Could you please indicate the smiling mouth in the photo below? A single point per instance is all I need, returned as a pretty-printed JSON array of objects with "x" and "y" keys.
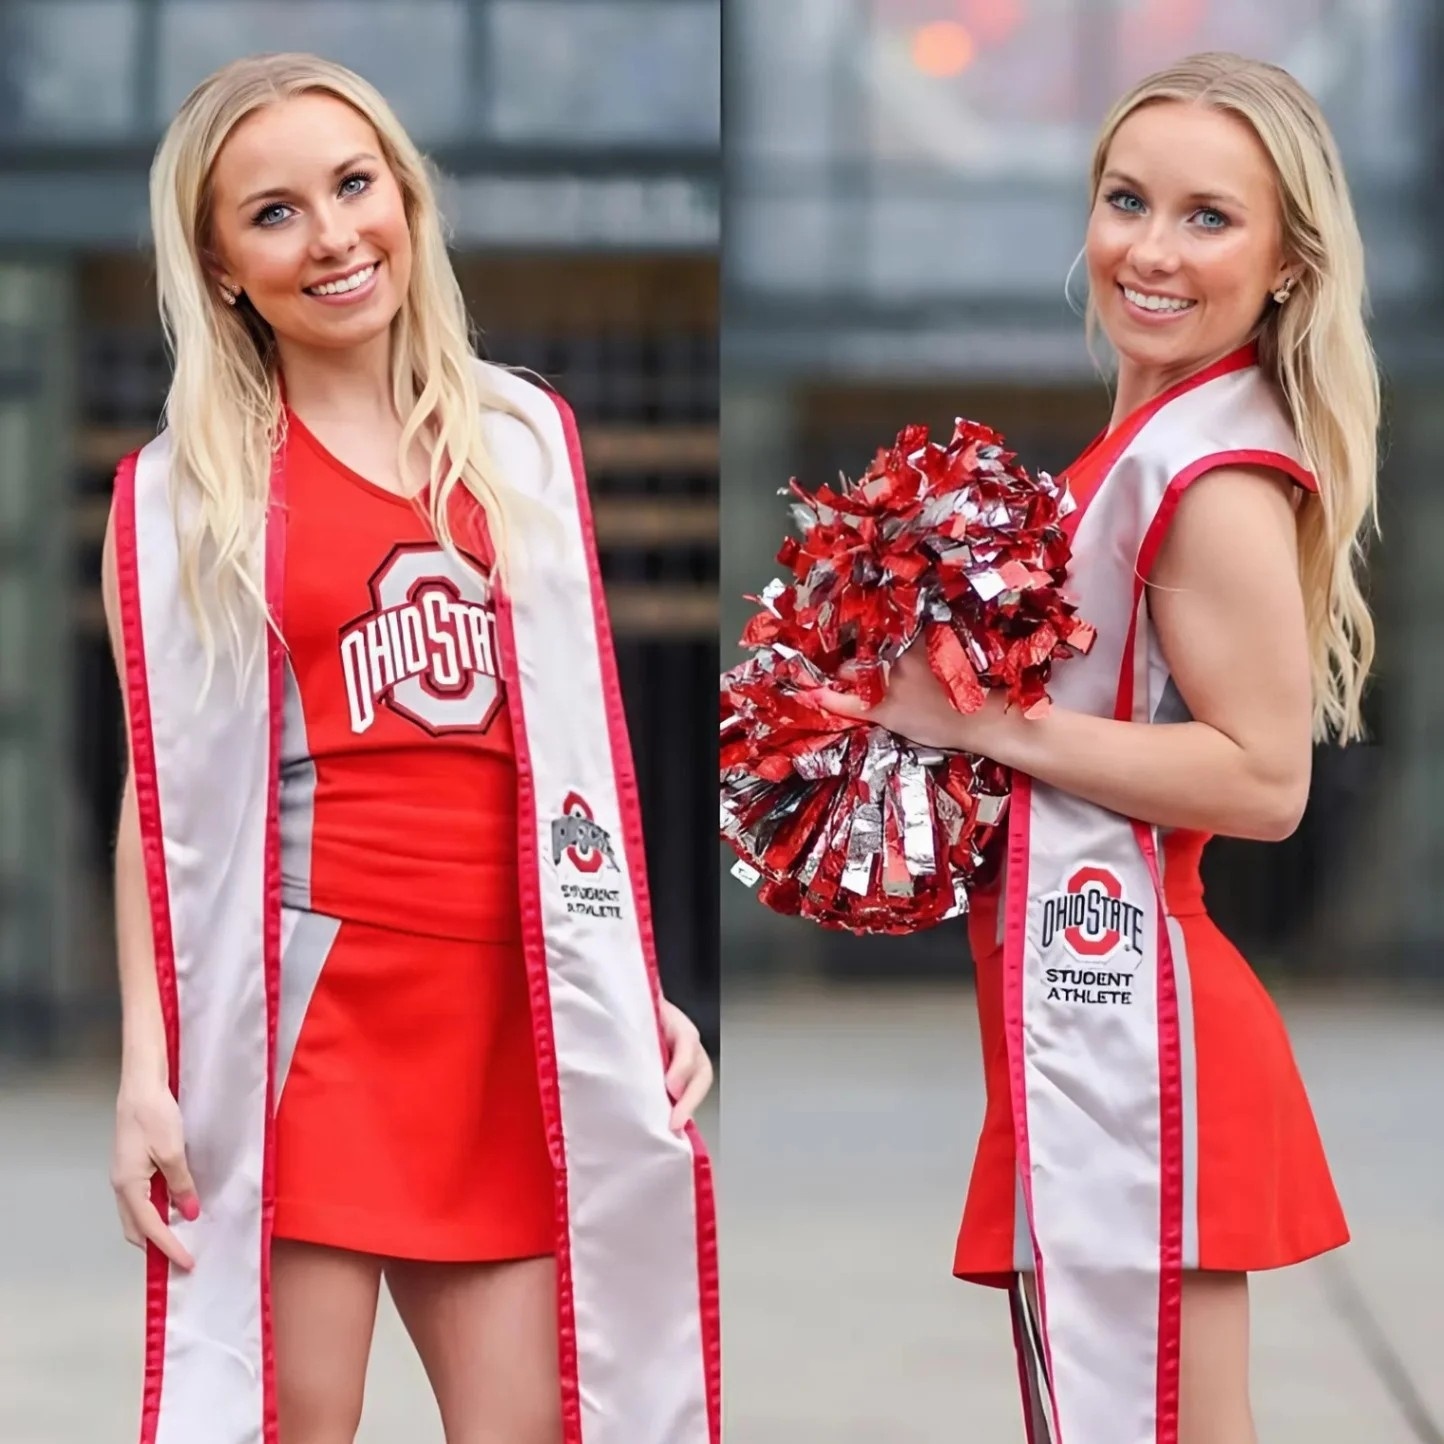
[
  {"x": 1158, "y": 305},
  {"x": 353, "y": 282}
]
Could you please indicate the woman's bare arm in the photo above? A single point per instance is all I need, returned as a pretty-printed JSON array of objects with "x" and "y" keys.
[{"x": 1229, "y": 614}]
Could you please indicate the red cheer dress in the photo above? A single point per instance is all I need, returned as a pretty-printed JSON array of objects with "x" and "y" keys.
[
  {"x": 409, "y": 1120},
  {"x": 1265, "y": 1195}
]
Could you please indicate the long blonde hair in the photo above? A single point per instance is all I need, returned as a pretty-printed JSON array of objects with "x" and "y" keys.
[
  {"x": 1316, "y": 347},
  {"x": 224, "y": 410}
]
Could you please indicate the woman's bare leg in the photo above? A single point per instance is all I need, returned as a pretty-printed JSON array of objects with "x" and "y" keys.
[
  {"x": 324, "y": 1312},
  {"x": 487, "y": 1336},
  {"x": 1213, "y": 1380}
]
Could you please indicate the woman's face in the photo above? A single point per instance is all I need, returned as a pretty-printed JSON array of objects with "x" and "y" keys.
[
  {"x": 1185, "y": 238},
  {"x": 308, "y": 221}
]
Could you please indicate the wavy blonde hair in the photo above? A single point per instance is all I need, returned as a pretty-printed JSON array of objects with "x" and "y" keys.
[
  {"x": 1316, "y": 347},
  {"x": 224, "y": 410}
]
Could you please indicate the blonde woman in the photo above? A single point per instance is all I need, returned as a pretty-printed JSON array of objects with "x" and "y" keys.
[
  {"x": 1147, "y": 1141},
  {"x": 390, "y": 1005}
]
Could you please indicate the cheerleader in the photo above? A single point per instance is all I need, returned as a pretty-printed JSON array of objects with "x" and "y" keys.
[
  {"x": 389, "y": 999},
  {"x": 1147, "y": 1141}
]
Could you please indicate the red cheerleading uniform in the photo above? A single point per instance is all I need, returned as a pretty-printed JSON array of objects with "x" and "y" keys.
[
  {"x": 409, "y": 1119},
  {"x": 1265, "y": 1194}
]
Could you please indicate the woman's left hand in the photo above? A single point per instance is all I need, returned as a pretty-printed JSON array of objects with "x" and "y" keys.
[
  {"x": 917, "y": 707},
  {"x": 689, "y": 1069}
]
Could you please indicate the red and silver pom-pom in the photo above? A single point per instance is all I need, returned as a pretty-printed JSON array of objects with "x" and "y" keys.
[{"x": 957, "y": 547}]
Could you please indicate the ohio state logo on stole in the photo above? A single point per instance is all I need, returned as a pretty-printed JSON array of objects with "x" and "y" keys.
[
  {"x": 427, "y": 648},
  {"x": 1097, "y": 925},
  {"x": 583, "y": 842}
]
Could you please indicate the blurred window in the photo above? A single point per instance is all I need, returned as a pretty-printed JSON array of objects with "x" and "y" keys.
[
  {"x": 988, "y": 85},
  {"x": 1009, "y": 85},
  {"x": 911, "y": 150},
  {"x": 629, "y": 213},
  {"x": 586, "y": 72},
  {"x": 788, "y": 68},
  {"x": 579, "y": 72},
  {"x": 67, "y": 68},
  {"x": 414, "y": 51}
]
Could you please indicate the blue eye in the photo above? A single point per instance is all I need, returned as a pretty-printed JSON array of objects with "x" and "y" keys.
[
  {"x": 1125, "y": 201},
  {"x": 1212, "y": 220},
  {"x": 267, "y": 215}
]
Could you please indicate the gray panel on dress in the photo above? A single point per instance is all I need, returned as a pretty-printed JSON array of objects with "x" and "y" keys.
[
  {"x": 297, "y": 799},
  {"x": 306, "y": 942}
]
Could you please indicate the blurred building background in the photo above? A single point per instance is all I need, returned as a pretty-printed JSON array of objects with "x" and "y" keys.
[
  {"x": 906, "y": 192},
  {"x": 579, "y": 142}
]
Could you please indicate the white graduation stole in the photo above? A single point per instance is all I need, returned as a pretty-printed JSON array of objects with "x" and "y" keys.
[
  {"x": 636, "y": 1231},
  {"x": 1096, "y": 985}
]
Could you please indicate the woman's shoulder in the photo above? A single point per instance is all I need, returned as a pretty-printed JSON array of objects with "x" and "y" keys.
[{"x": 1239, "y": 418}]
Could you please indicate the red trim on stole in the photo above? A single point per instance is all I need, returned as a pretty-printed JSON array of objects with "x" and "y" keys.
[
  {"x": 152, "y": 842},
  {"x": 271, "y": 924},
  {"x": 631, "y": 818},
  {"x": 1170, "y": 1160},
  {"x": 1020, "y": 821},
  {"x": 543, "y": 1035}
]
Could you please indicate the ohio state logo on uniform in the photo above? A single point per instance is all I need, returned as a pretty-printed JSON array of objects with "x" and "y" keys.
[
  {"x": 1097, "y": 925},
  {"x": 587, "y": 846},
  {"x": 576, "y": 835},
  {"x": 427, "y": 648}
]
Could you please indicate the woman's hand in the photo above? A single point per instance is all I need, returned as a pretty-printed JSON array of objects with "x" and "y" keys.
[
  {"x": 148, "y": 1139},
  {"x": 917, "y": 707},
  {"x": 689, "y": 1069}
]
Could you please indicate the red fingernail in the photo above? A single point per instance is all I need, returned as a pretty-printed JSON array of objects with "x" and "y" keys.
[{"x": 190, "y": 1209}]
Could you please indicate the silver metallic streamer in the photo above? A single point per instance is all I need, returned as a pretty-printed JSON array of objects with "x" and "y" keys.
[
  {"x": 987, "y": 584},
  {"x": 864, "y": 845},
  {"x": 917, "y": 816},
  {"x": 825, "y": 762},
  {"x": 816, "y": 853},
  {"x": 770, "y": 593},
  {"x": 991, "y": 810},
  {"x": 950, "y": 815}
]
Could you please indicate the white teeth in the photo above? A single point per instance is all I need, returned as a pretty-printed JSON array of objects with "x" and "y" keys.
[
  {"x": 1156, "y": 303},
  {"x": 339, "y": 288}
]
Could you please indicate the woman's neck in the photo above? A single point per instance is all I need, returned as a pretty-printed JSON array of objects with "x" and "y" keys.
[
  {"x": 1138, "y": 384},
  {"x": 355, "y": 382}
]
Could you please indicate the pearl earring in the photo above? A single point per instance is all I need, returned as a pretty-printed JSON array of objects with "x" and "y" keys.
[{"x": 1284, "y": 291}]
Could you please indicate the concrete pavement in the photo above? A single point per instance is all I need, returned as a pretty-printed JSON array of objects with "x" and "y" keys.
[
  {"x": 72, "y": 1291},
  {"x": 849, "y": 1121}
]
